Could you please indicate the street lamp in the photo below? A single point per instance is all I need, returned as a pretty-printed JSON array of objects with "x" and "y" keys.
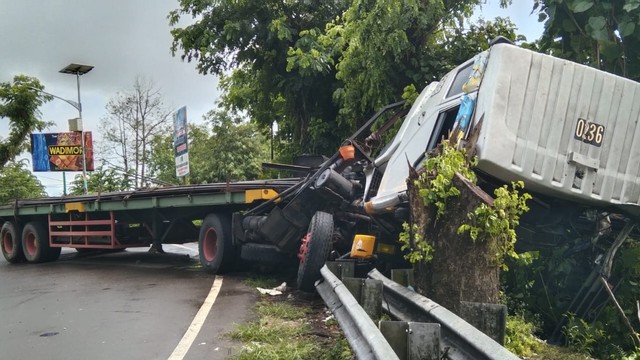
[{"x": 78, "y": 70}]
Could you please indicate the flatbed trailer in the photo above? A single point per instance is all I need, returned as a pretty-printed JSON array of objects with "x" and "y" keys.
[{"x": 35, "y": 230}]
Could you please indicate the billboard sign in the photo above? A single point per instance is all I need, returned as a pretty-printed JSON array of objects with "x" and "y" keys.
[
  {"x": 61, "y": 151},
  {"x": 180, "y": 142}
]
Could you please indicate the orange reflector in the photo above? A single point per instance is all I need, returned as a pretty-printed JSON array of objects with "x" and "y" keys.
[
  {"x": 362, "y": 247},
  {"x": 348, "y": 152}
]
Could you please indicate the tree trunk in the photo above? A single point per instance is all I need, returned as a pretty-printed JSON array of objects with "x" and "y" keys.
[{"x": 461, "y": 269}]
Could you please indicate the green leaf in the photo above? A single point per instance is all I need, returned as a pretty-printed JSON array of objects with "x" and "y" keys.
[
  {"x": 611, "y": 50},
  {"x": 626, "y": 28},
  {"x": 597, "y": 22},
  {"x": 581, "y": 6},
  {"x": 631, "y": 5}
]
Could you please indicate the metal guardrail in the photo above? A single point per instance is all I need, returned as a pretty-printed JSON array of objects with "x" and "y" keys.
[
  {"x": 460, "y": 340},
  {"x": 362, "y": 334}
]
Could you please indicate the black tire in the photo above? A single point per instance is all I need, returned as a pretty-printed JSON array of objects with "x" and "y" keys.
[
  {"x": 11, "y": 242},
  {"x": 215, "y": 245},
  {"x": 314, "y": 250},
  {"x": 35, "y": 243}
]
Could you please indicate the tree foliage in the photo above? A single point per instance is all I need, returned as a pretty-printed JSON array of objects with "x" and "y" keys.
[
  {"x": 600, "y": 33},
  {"x": 19, "y": 103},
  {"x": 226, "y": 149},
  {"x": 102, "y": 179},
  {"x": 251, "y": 38},
  {"x": 17, "y": 182},
  {"x": 133, "y": 118},
  {"x": 320, "y": 68}
]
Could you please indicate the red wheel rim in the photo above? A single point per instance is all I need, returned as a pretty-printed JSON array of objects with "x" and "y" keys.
[
  {"x": 304, "y": 247},
  {"x": 7, "y": 243},
  {"x": 210, "y": 244},
  {"x": 31, "y": 245}
]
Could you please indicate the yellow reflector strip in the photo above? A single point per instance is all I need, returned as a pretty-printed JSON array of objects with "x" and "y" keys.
[
  {"x": 259, "y": 194},
  {"x": 386, "y": 249},
  {"x": 76, "y": 206}
]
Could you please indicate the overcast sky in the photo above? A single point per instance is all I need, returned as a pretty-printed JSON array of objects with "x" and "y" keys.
[{"x": 122, "y": 39}]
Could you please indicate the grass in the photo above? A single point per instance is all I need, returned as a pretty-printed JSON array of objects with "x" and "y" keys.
[
  {"x": 550, "y": 352},
  {"x": 262, "y": 282},
  {"x": 521, "y": 341},
  {"x": 288, "y": 330}
]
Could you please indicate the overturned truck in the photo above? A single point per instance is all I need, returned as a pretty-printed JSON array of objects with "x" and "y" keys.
[{"x": 568, "y": 131}]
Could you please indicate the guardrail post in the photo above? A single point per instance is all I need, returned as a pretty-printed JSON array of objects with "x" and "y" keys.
[
  {"x": 341, "y": 269},
  {"x": 368, "y": 292},
  {"x": 403, "y": 277},
  {"x": 412, "y": 340},
  {"x": 491, "y": 319}
]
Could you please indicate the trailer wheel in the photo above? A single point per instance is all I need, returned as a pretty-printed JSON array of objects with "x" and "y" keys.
[
  {"x": 35, "y": 244},
  {"x": 314, "y": 250},
  {"x": 215, "y": 244},
  {"x": 11, "y": 243}
]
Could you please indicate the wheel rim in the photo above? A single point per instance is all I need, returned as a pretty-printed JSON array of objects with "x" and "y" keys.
[
  {"x": 210, "y": 244},
  {"x": 304, "y": 247},
  {"x": 31, "y": 244},
  {"x": 7, "y": 243}
]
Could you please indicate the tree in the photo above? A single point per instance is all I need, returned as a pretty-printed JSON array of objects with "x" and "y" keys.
[
  {"x": 384, "y": 46},
  {"x": 226, "y": 149},
  {"x": 603, "y": 34},
  {"x": 236, "y": 149},
  {"x": 133, "y": 118},
  {"x": 289, "y": 61},
  {"x": 101, "y": 180},
  {"x": 251, "y": 38},
  {"x": 17, "y": 182},
  {"x": 19, "y": 102}
]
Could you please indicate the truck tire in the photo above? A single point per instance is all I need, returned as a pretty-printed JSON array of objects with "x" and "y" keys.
[
  {"x": 35, "y": 243},
  {"x": 11, "y": 243},
  {"x": 215, "y": 245},
  {"x": 314, "y": 250}
]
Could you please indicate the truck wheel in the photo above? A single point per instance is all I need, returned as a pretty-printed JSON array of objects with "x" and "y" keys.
[
  {"x": 215, "y": 244},
  {"x": 10, "y": 242},
  {"x": 314, "y": 250},
  {"x": 35, "y": 244}
]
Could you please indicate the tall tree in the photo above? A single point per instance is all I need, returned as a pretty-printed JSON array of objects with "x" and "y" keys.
[
  {"x": 133, "y": 118},
  {"x": 17, "y": 182},
  {"x": 19, "y": 102},
  {"x": 383, "y": 46},
  {"x": 251, "y": 38},
  {"x": 289, "y": 61},
  {"x": 600, "y": 33}
]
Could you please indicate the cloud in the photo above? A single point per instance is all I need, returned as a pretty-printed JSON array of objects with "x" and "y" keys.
[{"x": 122, "y": 39}]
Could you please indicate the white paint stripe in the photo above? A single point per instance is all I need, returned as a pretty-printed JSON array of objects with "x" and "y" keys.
[{"x": 193, "y": 330}]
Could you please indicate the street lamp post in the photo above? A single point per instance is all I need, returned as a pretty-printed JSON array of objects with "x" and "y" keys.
[{"x": 78, "y": 70}]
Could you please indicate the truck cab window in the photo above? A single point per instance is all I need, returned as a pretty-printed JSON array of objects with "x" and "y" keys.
[
  {"x": 461, "y": 77},
  {"x": 442, "y": 128}
]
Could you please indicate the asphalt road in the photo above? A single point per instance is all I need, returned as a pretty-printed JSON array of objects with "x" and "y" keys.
[{"x": 128, "y": 305}]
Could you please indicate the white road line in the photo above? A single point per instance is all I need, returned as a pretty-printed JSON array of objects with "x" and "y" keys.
[{"x": 192, "y": 332}]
